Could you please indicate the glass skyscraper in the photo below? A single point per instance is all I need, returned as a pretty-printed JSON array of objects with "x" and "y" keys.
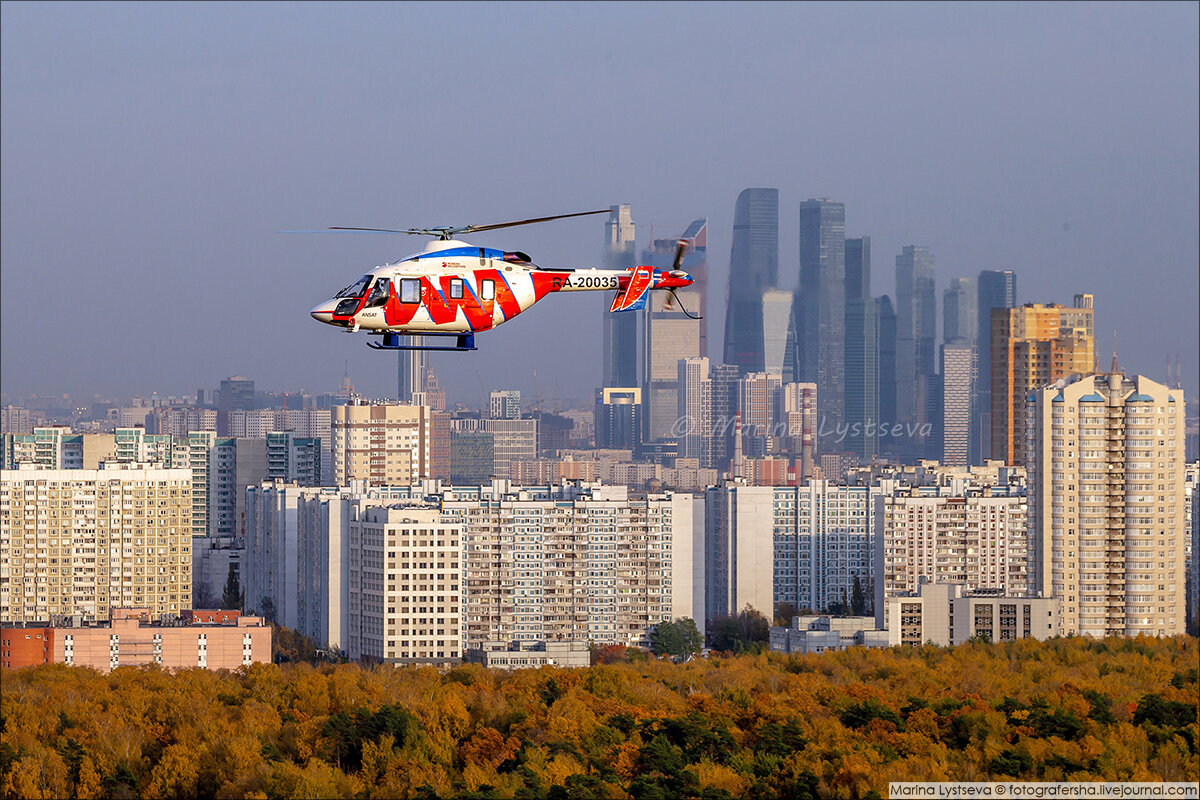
[
  {"x": 862, "y": 350},
  {"x": 620, "y": 328},
  {"x": 916, "y": 348},
  {"x": 821, "y": 328},
  {"x": 753, "y": 269},
  {"x": 997, "y": 288}
]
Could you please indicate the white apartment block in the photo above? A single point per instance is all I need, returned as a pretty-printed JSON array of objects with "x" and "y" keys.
[
  {"x": 388, "y": 445},
  {"x": 77, "y": 542},
  {"x": 534, "y": 564},
  {"x": 404, "y": 579},
  {"x": 1106, "y": 503},
  {"x": 977, "y": 540},
  {"x": 593, "y": 564},
  {"x": 812, "y": 540}
]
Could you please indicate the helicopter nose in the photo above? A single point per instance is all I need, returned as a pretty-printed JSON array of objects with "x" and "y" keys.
[{"x": 323, "y": 312}]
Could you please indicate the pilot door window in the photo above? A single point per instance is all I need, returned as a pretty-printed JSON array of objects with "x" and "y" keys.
[
  {"x": 380, "y": 294},
  {"x": 410, "y": 290}
]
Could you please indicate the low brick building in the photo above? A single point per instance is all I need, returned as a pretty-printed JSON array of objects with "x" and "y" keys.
[{"x": 209, "y": 639}]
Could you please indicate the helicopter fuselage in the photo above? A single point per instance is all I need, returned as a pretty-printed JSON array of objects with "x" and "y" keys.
[{"x": 454, "y": 287}]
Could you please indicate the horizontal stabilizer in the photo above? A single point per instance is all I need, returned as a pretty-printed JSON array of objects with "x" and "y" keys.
[{"x": 634, "y": 296}]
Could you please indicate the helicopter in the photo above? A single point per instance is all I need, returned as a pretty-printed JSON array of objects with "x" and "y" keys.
[{"x": 455, "y": 290}]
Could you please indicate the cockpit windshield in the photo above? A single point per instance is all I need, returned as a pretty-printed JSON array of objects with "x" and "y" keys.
[{"x": 356, "y": 289}]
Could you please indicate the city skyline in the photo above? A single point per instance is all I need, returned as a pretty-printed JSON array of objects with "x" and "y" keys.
[{"x": 152, "y": 190}]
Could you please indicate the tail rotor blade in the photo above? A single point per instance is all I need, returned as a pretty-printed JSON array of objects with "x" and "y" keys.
[{"x": 679, "y": 253}]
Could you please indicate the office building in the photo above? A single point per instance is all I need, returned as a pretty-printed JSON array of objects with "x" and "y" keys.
[
  {"x": 820, "y": 329},
  {"x": 753, "y": 269},
  {"x": 619, "y": 417},
  {"x": 669, "y": 334},
  {"x": 818, "y": 634},
  {"x": 862, "y": 416},
  {"x": 777, "y": 332},
  {"x": 996, "y": 289},
  {"x": 513, "y": 440},
  {"x": 1032, "y": 347},
  {"x": 619, "y": 335},
  {"x": 950, "y": 614},
  {"x": 977, "y": 539},
  {"x": 472, "y": 457},
  {"x": 916, "y": 368},
  {"x": 1106, "y": 504},
  {"x": 886, "y": 363},
  {"x": 78, "y": 541},
  {"x": 236, "y": 392},
  {"x": 505, "y": 404}
]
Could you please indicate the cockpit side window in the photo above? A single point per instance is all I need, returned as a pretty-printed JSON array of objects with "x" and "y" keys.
[
  {"x": 355, "y": 289},
  {"x": 380, "y": 293}
]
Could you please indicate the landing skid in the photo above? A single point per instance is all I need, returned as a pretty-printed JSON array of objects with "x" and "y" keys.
[{"x": 391, "y": 341}]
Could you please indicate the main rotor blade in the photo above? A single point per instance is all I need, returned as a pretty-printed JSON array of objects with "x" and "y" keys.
[
  {"x": 348, "y": 230},
  {"x": 371, "y": 230},
  {"x": 474, "y": 228}
]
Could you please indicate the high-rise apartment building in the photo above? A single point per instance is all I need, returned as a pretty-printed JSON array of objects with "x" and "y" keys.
[
  {"x": 996, "y": 289},
  {"x": 669, "y": 334},
  {"x": 57, "y": 447},
  {"x": 916, "y": 334},
  {"x": 958, "y": 383},
  {"x": 753, "y": 269},
  {"x": 15, "y": 419},
  {"x": 693, "y": 412},
  {"x": 976, "y": 539},
  {"x": 1033, "y": 346},
  {"x": 77, "y": 542},
  {"x": 417, "y": 573},
  {"x": 821, "y": 305},
  {"x": 815, "y": 540},
  {"x": 619, "y": 335},
  {"x": 505, "y": 404},
  {"x": 1106, "y": 504},
  {"x": 387, "y": 445}
]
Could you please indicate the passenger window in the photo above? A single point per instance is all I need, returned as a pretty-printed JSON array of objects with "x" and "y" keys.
[
  {"x": 410, "y": 290},
  {"x": 456, "y": 288},
  {"x": 381, "y": 293},
  {"x": 487, "y": 289}
]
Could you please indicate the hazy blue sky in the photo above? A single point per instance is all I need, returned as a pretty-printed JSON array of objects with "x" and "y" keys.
[{"x": 152, "y": 152}]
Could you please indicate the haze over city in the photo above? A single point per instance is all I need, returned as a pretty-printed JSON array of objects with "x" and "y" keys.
[{"x": 151, "y": 155}]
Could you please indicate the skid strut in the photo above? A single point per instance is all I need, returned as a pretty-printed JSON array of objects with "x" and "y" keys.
[{"x": 391, "y": 341}]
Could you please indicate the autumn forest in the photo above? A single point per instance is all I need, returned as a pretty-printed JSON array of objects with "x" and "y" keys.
[{"x": 836, "y": 725}]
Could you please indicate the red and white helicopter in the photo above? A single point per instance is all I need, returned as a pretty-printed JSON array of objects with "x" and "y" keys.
[{"x": 455, "y": 289}]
